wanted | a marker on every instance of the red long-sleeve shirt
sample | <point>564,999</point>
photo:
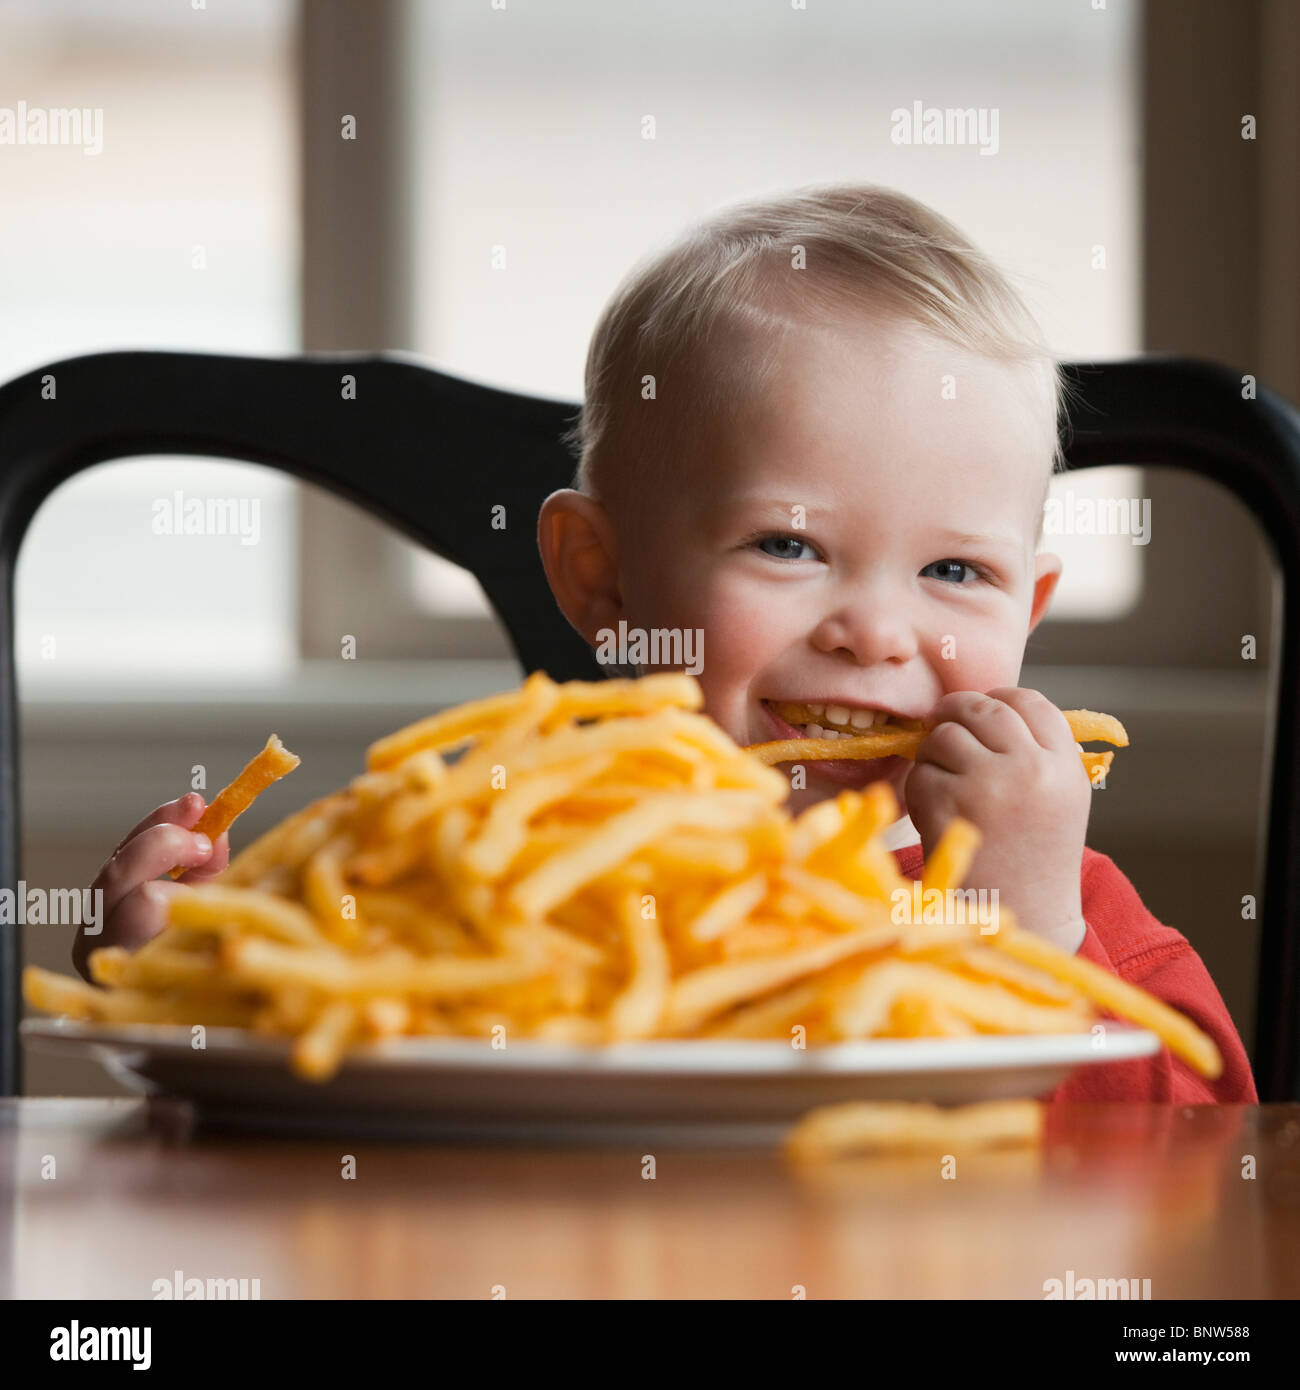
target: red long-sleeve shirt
<point>1124,938</point>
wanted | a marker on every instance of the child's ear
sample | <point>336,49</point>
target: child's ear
<point>580,555</point>
<point>1047,572</point>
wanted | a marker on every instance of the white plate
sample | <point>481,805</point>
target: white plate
<point>708,1091</point>
<point>716,1092</point>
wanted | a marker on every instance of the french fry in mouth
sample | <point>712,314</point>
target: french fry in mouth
<point>901,739</point>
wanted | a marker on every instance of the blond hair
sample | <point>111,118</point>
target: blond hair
<point>865,248</point>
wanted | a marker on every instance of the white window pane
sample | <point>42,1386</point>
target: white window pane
<point>441,587</point>
<point>164,569</point>
<point>558,174</point>
<point>199,151</point>
<point>1101,561</point>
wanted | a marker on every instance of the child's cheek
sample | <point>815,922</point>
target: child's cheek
<point>978,660</point>
<point>741,638</point>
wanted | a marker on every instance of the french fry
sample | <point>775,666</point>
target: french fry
<point>862,1008</point>
<point>1026,978</point>
<point>325,894</point>
<point>951,860</point>
<point>622,836</point>
<point>688,855</point>
<point>386,1018</point>
<point>289,844</point>
<point>826,896</point>
<point>700,994</point>
<point>162,969</point>
<point>889,743</point>
<point>59,994</point>
<point>635,1013</point>
<point>1096,765</point>
<point>460,725</point>
<point>897,741</point>
<point>109,966</point>
<point>1182,1037</point>
<point>272,763</point>
<point>834,1131</point>
<point>985,1005</point>
<point>771,1016</point>
<point>816,825</point>
<point>441,731</point>
<point>505,830</point>
<point>917,1016</point>
<point>255,961</point>
<point>218,907</point>
<point>729,907</point>
<point>600,864</point>
<point>317,1052</point>
<point>1087,724</point>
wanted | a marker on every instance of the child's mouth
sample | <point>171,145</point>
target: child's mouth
<point>835,721</point>
<point>815,719</point>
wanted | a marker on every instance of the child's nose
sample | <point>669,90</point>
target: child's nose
<point>868,632</point>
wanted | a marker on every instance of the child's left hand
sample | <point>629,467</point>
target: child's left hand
<point>1007,761</point>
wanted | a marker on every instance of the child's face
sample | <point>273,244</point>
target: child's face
<point>857,540</point>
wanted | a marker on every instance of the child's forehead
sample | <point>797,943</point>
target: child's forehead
<point>795,371</point>
<point>970,436</point>
<point>818,410</point>
<point>876,356</point>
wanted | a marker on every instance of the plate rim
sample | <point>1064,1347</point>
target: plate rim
<point>673,1057</point>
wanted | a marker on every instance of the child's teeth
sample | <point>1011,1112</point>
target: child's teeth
<point>829,721</point>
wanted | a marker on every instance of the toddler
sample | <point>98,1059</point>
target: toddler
<point>818,432</point>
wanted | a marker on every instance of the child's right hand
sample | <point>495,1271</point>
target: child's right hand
<point>134,904</point>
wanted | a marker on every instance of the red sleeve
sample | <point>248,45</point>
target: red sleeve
<point>1124,938</point>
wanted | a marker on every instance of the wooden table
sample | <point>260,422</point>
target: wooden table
<point>1118,1191</point>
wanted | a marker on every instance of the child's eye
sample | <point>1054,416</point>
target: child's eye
<point>949,570</point>
<point>784,547</point>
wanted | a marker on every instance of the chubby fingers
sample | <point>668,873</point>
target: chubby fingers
<point>147,855</point>
<point>1050,728</point>
<point>184,811</point>
<point>137,916</point>
<point>142,914</point>
<point>213,864</point>
<point>964,724</point>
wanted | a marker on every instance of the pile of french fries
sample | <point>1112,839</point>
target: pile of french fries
<point>600,864</point>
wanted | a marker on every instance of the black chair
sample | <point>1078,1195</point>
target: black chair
<point>410,427</point>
